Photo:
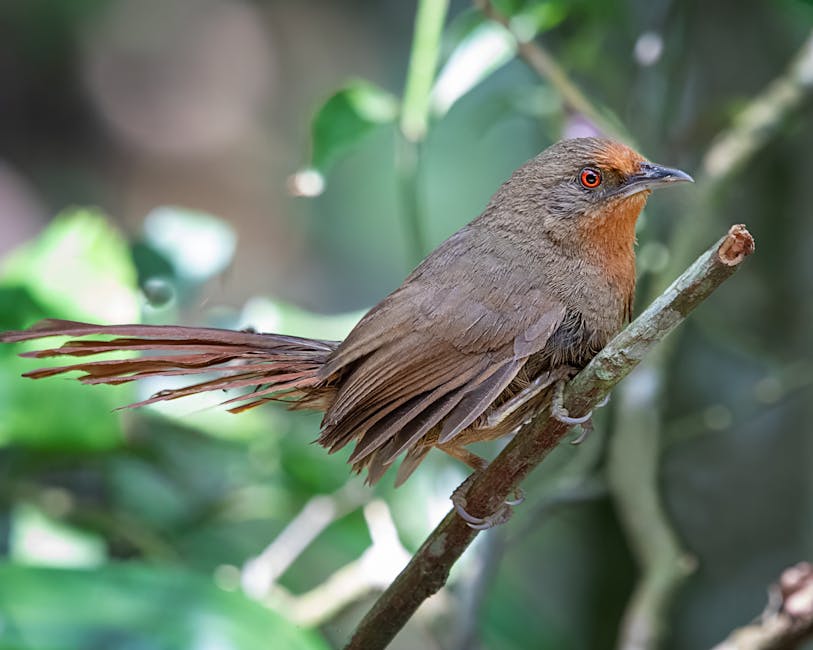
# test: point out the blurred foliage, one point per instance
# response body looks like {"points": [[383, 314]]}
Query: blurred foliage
{"points": [[183, 611], [40, 280], [346, 117], [123, 529]]}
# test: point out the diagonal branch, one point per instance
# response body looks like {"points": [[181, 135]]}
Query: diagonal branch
{"points": [[429, 568]]}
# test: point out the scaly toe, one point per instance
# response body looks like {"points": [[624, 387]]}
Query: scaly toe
{"points": [[558, 410], [502, 514], [519, 497], [566, 419], [498, 518], [587, 428], [459, 503]]}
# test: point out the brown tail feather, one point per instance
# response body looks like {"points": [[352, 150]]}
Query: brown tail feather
{"points": [[271, 364]]}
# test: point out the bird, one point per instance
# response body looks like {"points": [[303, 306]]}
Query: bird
{"points": [[477, 338]]}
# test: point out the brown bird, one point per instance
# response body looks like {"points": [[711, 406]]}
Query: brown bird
{"points": [[467, 348]]}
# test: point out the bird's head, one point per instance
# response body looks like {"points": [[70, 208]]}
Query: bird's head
{"points": [[590, 187]]}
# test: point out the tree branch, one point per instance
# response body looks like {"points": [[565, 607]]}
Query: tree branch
{"points": [[429, 568], [788, 618]]}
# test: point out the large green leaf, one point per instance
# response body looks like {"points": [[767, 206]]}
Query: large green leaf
{"points": [[482, 47], [346, 118], [78, 268], [477, 46], [129, 606]]}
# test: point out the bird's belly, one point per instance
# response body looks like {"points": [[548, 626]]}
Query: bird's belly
{"points": [[572, 344]]}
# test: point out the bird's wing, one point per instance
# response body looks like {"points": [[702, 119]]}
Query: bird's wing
{"points": [[439, 350]]}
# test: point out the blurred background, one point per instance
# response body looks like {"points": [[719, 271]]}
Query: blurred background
{"points": [[246, 163]]}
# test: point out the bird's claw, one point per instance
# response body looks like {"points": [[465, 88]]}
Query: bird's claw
{"points": [[563, 417], [497, 518], [519, 497], [587, 429], [559, 412], [604, 401], [502, 514]]}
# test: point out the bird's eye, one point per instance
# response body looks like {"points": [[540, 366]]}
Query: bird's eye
{"points": [[590, 178]]}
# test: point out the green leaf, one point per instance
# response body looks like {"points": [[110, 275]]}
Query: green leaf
{"points": [[531, 18], [135, 606], [37, 539], [346, 118], [478, 46], [197, 245], [61, 416], [484, 48], [79, 268], [18, 308]]}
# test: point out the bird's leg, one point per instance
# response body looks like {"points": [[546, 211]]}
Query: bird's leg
{"points": [[478, 464], [559, 412], [502, 412]]}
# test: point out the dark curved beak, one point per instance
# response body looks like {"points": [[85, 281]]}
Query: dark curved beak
{"points": [[650, 176]]}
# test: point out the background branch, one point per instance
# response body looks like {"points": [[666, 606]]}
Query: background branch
{"points": [[635, 450], [788, 618], [429, 568]]}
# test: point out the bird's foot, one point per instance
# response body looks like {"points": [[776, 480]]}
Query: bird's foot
{"points": [[560, 413], [519, 497], [502, 514]]}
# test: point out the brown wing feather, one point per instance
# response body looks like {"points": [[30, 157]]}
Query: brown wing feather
{"points": [[410, 421], [433, 354], [478, 399], [379, 399]]}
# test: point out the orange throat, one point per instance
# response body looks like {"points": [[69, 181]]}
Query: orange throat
{"points": [[609, 236]]}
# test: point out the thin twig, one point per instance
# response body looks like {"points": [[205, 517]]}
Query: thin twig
{"points": [[376, 567], [429, 568], [260, 573], [541, 62]]}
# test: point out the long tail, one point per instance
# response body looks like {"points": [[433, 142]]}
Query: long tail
{"points": [[265, 366]]}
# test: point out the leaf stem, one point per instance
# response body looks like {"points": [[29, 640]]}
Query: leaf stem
{"points": [[423, 62], [407, 163]]}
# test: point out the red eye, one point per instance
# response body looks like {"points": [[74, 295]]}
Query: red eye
{"points": [[590, 178]]}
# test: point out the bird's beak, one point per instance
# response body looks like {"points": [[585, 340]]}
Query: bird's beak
{"points": [[650, 176]]}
